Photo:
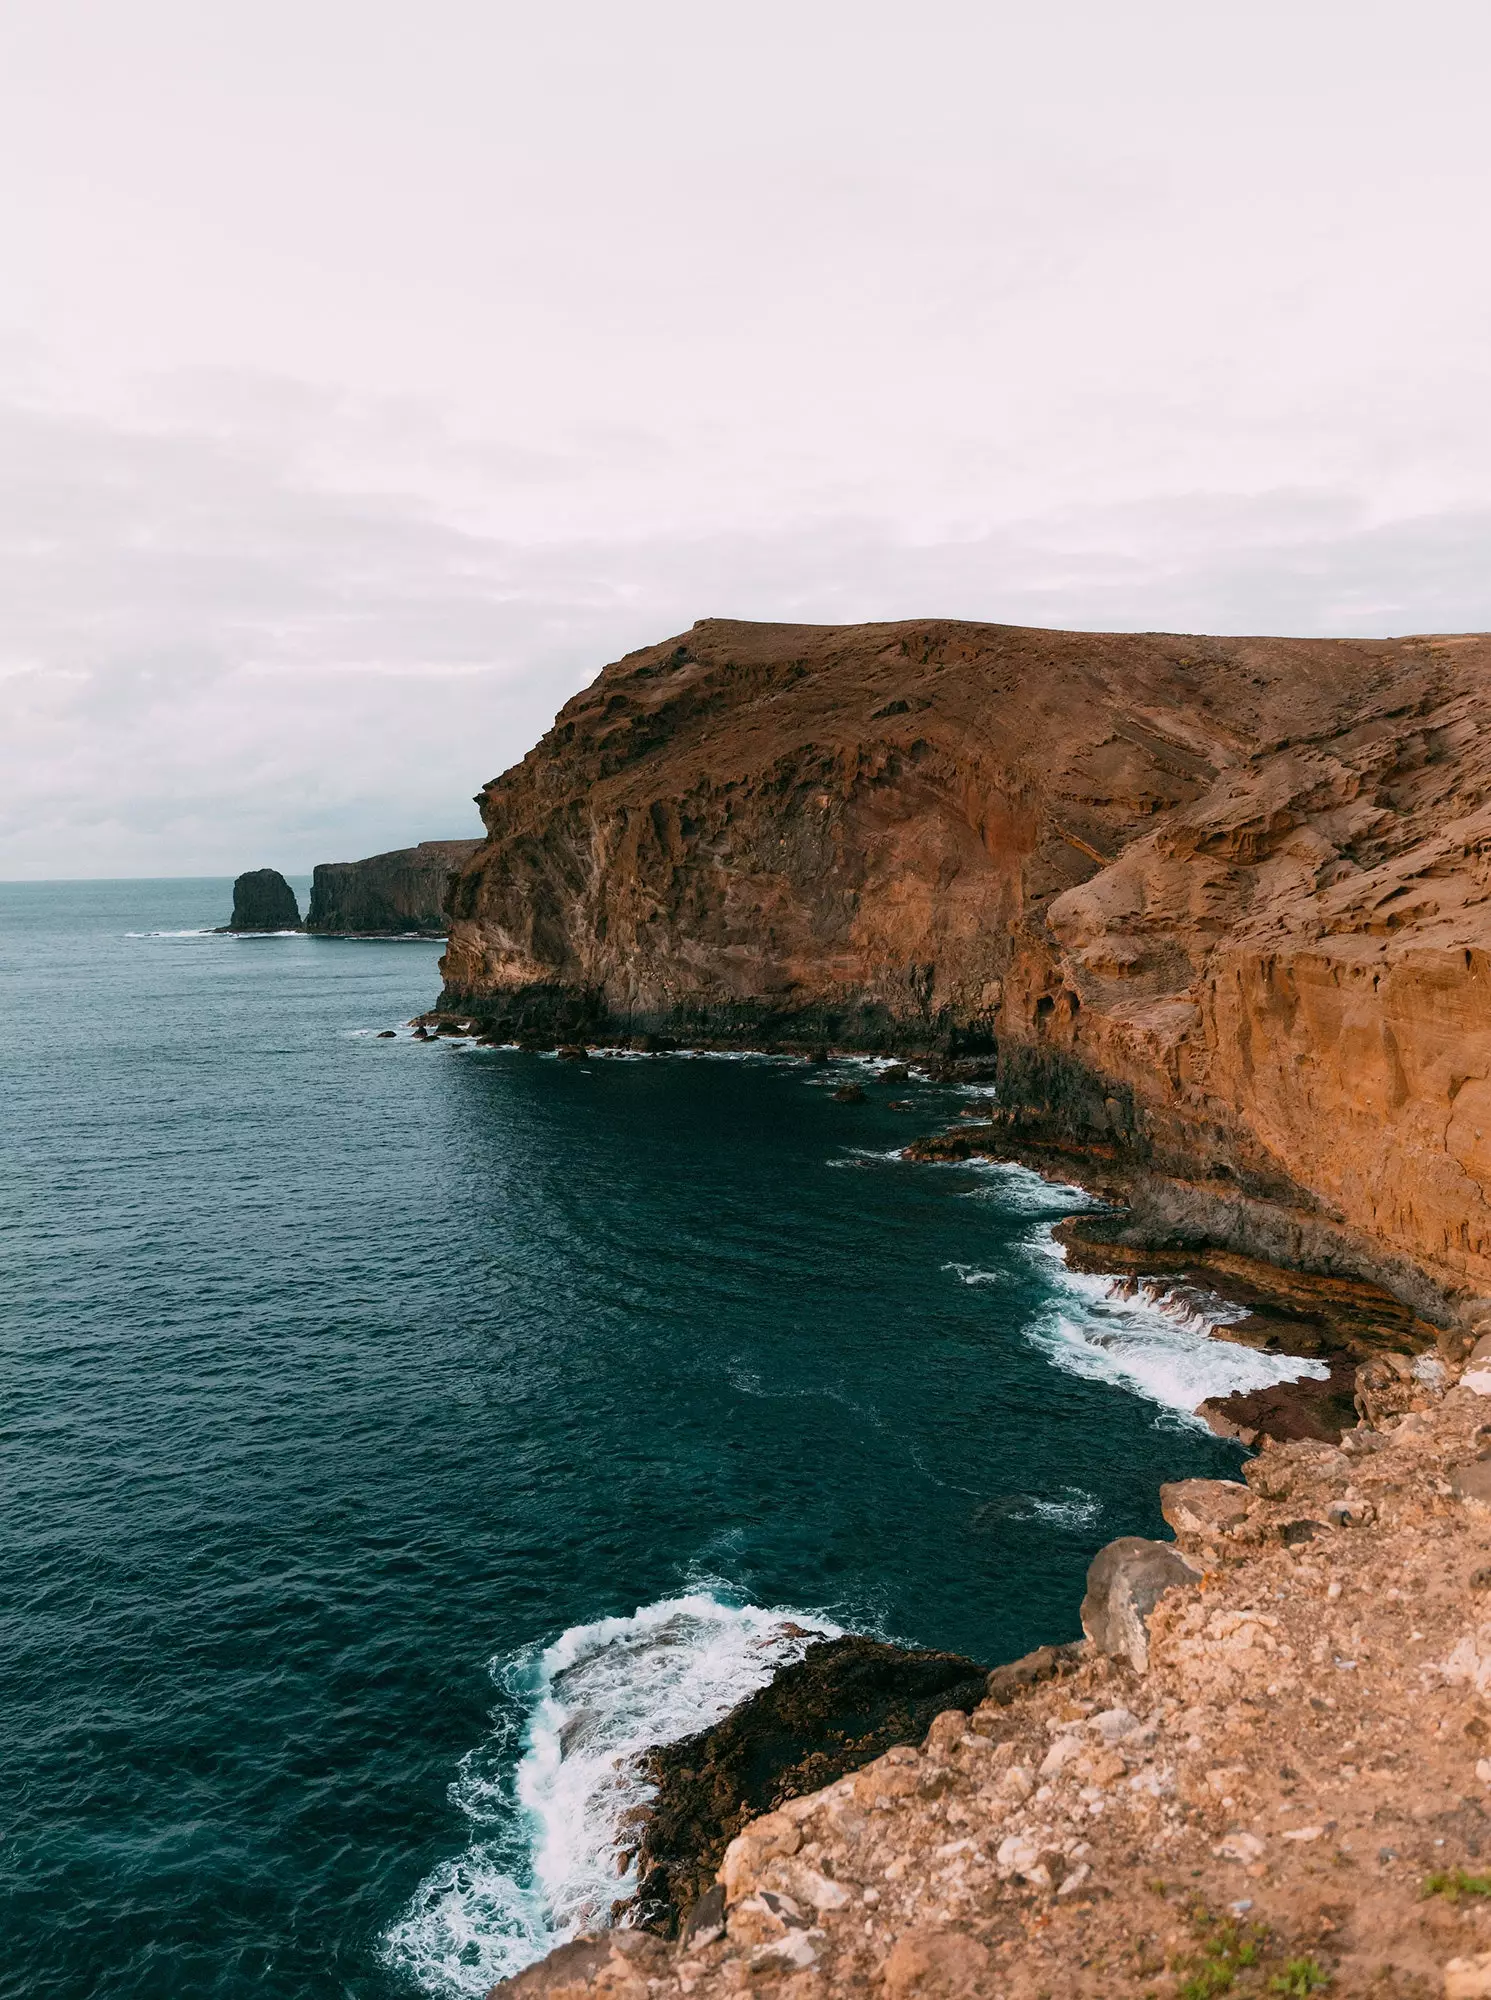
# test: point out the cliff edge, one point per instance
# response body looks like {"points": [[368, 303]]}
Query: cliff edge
{"points": [[1219, 905]]}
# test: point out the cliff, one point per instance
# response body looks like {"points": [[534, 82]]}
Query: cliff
{"points": [[1220, 905], [388, 894]]}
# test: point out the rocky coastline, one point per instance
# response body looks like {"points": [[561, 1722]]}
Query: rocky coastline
{"points": [[1213, 916], [1266, 1769]]}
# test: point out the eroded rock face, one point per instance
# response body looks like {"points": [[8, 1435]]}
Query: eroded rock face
{"points": [[264, 901], [388, 894], [1220, 902]]}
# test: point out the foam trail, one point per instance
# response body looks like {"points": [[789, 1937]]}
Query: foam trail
{"points": [[550, 1832], [1099, 1328]]}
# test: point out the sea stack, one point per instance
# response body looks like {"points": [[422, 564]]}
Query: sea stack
{"points": [[264, 901]]}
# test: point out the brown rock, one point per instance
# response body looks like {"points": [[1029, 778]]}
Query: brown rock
{"points": [[1167, 875], [1203, 1509], [1125, 1582], [937, 1965], [1473, 1481]]}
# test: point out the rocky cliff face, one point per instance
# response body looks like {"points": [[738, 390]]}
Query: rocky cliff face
{"points": [[1221, 905], [388, 894]]}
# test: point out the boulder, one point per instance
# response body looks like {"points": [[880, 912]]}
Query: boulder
{"points": [[1204, 1509], [1126, 1581], [264, 901]]}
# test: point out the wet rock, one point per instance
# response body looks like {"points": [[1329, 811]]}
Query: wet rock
{"points": [[573, 1052], [1125, 1582], [264, 901], [896, 1073], [849, 1093], [843, 1704], [1309, 1408]]}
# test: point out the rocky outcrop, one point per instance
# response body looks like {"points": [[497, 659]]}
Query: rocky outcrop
{"points": [[264, 901], [1284, 1789], [844, 1702], [388, 895], [1220, 904]]}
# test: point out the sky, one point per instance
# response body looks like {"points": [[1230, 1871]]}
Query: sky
{"points": [[371, 375]]}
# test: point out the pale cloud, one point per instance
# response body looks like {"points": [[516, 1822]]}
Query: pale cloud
{"points": [[368, 379]]}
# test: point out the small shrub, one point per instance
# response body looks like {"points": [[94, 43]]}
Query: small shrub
{"points": [[1453, 1883], [1301, 1976]]}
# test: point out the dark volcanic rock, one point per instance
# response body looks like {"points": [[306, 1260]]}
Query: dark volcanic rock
{"points": [[264, 901], [388, 894], [842, 1704]]}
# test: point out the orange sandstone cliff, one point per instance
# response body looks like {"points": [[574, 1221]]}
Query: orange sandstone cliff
{"points": [[1217, 906]]}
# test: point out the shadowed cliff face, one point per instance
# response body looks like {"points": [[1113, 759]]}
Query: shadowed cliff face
{"points": [[1220, 903], [392, 893]]}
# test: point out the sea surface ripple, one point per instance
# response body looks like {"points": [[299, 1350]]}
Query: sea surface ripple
{"points": [[383, 1423]]}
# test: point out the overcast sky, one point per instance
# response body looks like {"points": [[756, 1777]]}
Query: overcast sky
{"points": [[370, 374]]}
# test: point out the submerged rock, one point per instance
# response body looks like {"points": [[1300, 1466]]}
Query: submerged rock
{"points": [[264, 901], [841, 1705]]}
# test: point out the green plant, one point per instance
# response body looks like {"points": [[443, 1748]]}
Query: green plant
{"points": [[1301, 1976], [1453, 1883]]}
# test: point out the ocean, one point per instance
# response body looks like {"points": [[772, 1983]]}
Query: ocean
{"points": [[398, 1436]]}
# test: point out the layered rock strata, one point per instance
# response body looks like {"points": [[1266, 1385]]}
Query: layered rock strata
{"points": [[264, 901], [1266, 1771], [390, 894], [1221, 905]]}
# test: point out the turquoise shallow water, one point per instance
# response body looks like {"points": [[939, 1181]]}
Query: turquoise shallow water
{"points": [[342, 1376]]}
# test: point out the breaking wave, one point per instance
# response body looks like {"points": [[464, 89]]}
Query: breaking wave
{"points": [[1153, 1341], [553, 1797]]}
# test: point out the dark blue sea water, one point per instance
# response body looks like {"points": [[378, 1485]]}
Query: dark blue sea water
{"points": [[351, 1386]]}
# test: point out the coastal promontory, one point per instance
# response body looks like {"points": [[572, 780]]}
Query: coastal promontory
{"points": [[393, 894], [1218, 907]]}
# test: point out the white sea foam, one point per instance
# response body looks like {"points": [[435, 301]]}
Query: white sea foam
{"points": [[1075, 1509], [969, 1274], [864, 1156], [1097, 1327], [1022, 1191], [550, 1833], [208, 932]]}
